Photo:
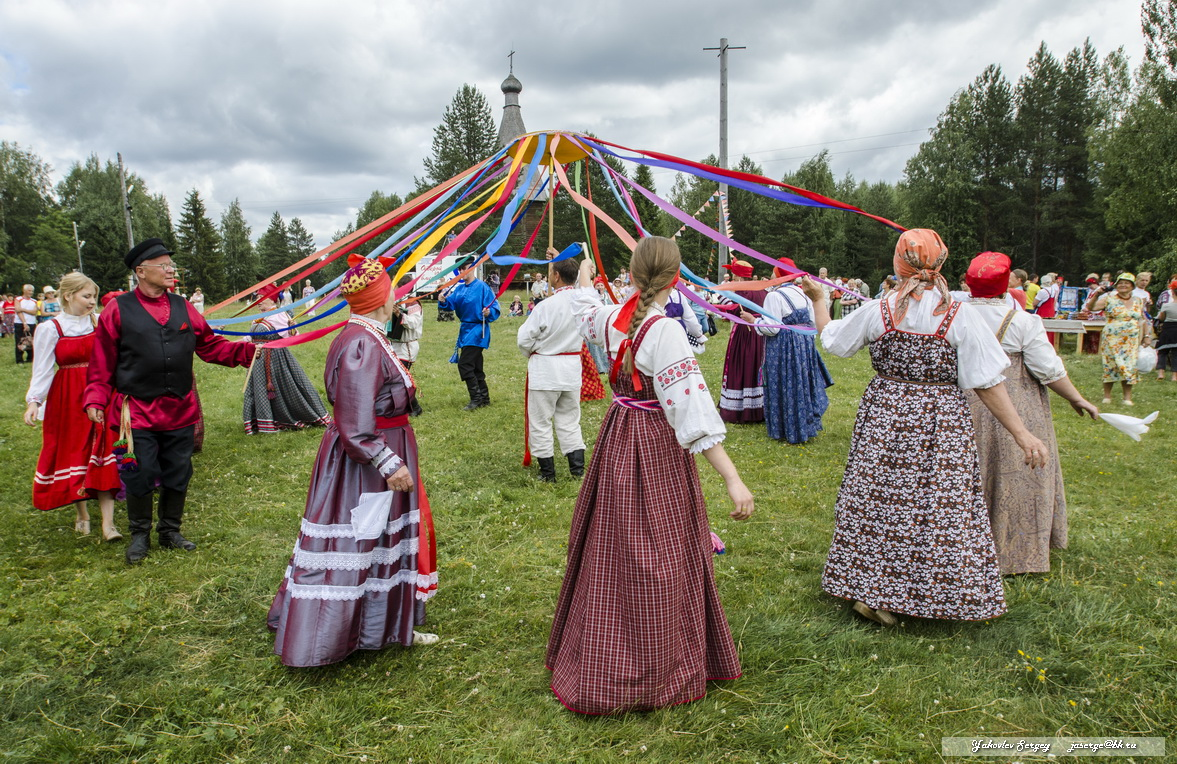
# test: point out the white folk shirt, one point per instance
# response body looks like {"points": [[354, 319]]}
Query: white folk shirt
{"points": [[547, 334], [1045, 293], [412, 325], [1025, 335], [665, 356], [780, 302], [980, 360]]}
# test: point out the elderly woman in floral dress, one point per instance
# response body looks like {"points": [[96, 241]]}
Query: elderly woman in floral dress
{"points": [[1119, 343]]}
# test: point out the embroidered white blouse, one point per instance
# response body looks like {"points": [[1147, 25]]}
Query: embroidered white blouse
{"points": [[980, 360], [665, 355]]}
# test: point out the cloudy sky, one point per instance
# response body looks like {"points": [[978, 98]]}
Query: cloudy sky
{"points": [[306, 107]]}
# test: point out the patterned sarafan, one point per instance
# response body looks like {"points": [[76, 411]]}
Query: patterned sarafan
{"points": [[911, 530]]}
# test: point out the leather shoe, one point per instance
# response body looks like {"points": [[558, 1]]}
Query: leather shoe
{"points": [[173, 540], [137, 549], [547, 469]]}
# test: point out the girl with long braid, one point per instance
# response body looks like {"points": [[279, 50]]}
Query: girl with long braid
{"points": [[639, 624]]}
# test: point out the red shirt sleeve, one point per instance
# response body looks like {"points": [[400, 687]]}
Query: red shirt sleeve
{"points": [[213, 348], [103, 358]]}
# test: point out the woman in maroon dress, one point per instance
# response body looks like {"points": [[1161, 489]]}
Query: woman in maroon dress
{"points": [[76, 461], [365, 560], [741, 397], [639, 624]]}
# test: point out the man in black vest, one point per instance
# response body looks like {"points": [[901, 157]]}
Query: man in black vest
{"points": [[141, 369]]}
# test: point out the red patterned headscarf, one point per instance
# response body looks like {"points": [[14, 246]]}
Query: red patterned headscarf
{"points": [[919, 255], [988, 275], [366, 284]]}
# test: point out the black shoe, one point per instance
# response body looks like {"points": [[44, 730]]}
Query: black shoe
{"points": [[576, 463], [475, 403], [173, 540], [547, 469], [414, 407], [137, 549]]}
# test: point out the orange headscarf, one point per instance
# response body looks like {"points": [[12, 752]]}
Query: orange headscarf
{"points": [[366, 284], [919, 254]]}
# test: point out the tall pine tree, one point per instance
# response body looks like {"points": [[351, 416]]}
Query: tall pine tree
{"points": [[241, 263], [466, 136], [273, 248], [198, 249]]}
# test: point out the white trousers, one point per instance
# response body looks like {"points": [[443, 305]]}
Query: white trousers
{"points": [[544, 406]]}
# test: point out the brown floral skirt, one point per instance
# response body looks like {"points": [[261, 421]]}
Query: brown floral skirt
{"points": [[1027, 508], [911, 531]]}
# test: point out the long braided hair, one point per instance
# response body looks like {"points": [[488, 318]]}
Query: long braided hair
{"points": [[654, 264]]}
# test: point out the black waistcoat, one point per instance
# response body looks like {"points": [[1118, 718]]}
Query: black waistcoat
{"points": [[154, 360]]}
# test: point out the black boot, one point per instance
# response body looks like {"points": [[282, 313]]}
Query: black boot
{"points": [[475, 395], [576, 462], [171, 512], [547, 469], [414, 407], [139, 521], [483, 392]]}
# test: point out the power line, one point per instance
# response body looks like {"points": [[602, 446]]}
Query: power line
{"points": [[841, 140]]}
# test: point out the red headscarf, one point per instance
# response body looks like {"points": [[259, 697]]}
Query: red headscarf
{"points": [[366, 284], [988, 275], [919, 255], [792, 273], [741, 268]]}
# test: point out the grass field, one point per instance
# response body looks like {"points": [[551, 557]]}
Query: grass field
{"points": [[170, 661]]}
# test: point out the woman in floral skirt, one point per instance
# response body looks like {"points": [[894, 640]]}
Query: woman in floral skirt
{"points": [[911, 528]]}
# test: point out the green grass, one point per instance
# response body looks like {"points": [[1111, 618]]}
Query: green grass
{"points": [[171, 661]]}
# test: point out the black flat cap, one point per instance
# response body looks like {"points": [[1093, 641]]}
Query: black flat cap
{"points": [[148, 249]]}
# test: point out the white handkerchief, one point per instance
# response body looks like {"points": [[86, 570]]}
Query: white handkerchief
{"points": [[1129, 425], [369, 518]]}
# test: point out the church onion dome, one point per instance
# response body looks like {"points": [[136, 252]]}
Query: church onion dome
{"points": [[512, 84]]}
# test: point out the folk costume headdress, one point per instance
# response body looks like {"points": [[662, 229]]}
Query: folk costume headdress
{"points": [[788, 275], [919, 255], [988, 275], [366, 284], [741, 268]]}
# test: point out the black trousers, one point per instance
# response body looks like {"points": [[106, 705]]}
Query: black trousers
{"points": [[164, 455], [470, 367], [20, 331]]}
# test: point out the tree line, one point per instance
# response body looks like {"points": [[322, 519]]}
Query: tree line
{"points": [[1070, 169]]}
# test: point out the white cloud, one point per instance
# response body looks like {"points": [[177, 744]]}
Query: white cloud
{"points": [[306, 107]]}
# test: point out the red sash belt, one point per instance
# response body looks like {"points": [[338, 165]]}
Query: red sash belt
{"points": [[427, 547]]}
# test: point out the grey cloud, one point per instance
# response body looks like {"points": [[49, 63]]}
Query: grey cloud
{"points": [[307, 107]]}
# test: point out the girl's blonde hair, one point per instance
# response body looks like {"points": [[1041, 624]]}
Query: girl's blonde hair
{"points": [[71, 284], [654, 264]]}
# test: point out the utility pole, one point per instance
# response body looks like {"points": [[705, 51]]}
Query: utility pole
{"points": [[126, 203], [78, 244], [723, 49]]}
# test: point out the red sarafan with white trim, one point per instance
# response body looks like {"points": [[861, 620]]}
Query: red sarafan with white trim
{"points": [[639, 624], [76, 460]]}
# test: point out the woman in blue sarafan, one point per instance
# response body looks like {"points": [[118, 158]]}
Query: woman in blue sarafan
{"points": [[795, 378]]}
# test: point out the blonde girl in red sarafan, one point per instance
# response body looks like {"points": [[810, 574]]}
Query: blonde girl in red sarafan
{"points": [[638, 623], [76, 461]]}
